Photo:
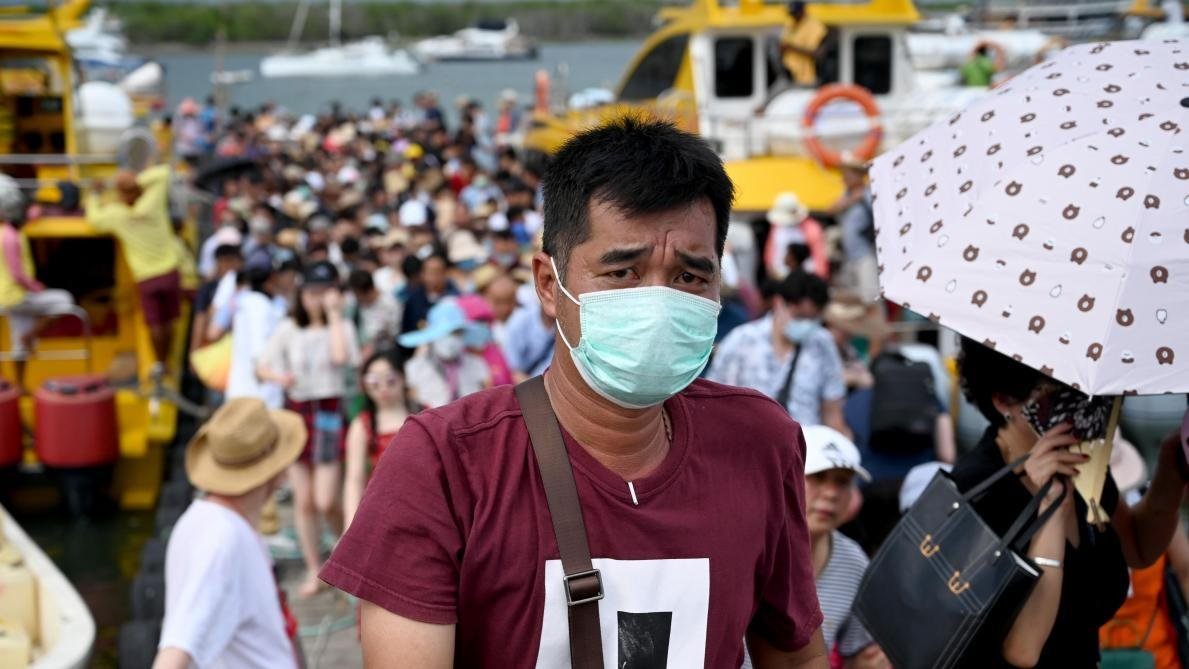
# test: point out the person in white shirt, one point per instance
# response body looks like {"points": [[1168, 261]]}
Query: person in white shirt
{"points": [[256, 317], [222, 606]]}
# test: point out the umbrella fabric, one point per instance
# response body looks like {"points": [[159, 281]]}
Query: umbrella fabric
{"points": [[1050, 220]]}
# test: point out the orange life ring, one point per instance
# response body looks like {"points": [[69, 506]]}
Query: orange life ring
{"points": [[541, 92], [1000, 53], [827, 94]]}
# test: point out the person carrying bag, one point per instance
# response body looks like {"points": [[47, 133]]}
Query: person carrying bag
{"points": [[943, 563]]}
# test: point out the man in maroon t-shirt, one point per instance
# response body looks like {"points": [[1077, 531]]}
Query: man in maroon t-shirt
{"points": [[692, 492]]}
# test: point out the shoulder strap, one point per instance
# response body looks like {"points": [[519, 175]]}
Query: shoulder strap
{"points": [[782, 396], [582, 582]]}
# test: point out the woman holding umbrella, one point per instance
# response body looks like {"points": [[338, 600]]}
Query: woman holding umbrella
{"points": [[1084, 577]]}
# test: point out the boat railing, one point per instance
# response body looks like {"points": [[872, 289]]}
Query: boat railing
{"points": [[73, 311]]}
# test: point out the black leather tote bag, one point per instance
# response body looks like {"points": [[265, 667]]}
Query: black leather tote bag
{"points": [[944, 579]]}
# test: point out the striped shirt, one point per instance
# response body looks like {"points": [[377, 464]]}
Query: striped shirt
{"points": [[837, 586]]}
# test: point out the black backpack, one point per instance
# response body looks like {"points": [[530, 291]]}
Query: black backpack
{"points": [[904, 405]]}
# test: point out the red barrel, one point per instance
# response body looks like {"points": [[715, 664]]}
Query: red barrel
{"points": [[76, 422], [10, 424]]}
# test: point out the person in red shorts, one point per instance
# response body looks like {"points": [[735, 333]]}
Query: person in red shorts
{"points": [[138, 217], [692, 492]]}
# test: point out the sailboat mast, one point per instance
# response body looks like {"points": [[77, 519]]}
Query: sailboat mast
{"points": [[336, 22], [299, 23]]}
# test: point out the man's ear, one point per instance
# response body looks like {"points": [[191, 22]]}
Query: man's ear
{"points": [[545, 283]]}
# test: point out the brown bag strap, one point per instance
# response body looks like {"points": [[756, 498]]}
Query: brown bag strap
{"points": [[582, 583]]}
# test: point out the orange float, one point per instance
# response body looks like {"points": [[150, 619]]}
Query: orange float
{"points": [[827, 94]]}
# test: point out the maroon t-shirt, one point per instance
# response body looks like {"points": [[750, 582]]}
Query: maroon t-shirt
{"points": [[454, 528]]}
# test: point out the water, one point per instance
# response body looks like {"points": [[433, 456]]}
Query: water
{"points": [[590, 64]]}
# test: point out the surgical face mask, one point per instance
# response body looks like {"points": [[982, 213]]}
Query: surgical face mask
{"points": [[641, 346], [448, 348], [798, 330]]}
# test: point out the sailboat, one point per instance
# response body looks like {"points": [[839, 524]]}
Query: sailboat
{"points": [[369, 57]]}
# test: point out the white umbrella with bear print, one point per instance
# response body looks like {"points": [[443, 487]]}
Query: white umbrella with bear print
{"points": [[1050, 221]]}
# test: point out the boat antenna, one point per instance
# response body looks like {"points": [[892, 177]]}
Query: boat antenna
{"points": [[336, 22]]}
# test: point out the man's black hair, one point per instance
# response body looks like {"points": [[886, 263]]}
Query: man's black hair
{"points": [[360, 280], [411, 266], [350, 246], [639, 166], [799, 251], [800, 285], [983, 372], [227, 251], [257, 277]]}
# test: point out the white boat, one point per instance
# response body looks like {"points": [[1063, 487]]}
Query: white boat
{"points": [[486, 40], [369, 57], [63, 629], [1014, 49]]}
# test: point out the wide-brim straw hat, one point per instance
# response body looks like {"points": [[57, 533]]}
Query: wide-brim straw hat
{"points": [[243, 446]]}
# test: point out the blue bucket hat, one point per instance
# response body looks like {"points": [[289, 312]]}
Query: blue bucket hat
{"points": [[445, 318]]}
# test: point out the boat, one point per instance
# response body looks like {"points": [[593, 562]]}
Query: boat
{"points": [[1072, 19], [369, 57], [56, 630], [232, 77], [1013, 50], [712, 68], [489, 40], [68, 133]]}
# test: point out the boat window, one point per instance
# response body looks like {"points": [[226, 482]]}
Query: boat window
{"points": [[734, 67], [657, 71], [873, 63]]}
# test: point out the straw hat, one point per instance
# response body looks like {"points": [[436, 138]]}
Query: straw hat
{"points": [[243, 446], [850, 314]]}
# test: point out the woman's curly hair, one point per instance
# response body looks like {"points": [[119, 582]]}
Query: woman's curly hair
{"points": [[983, 372]]}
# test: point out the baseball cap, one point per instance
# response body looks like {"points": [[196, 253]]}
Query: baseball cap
{"points": [[321, 273], [827, 448]]}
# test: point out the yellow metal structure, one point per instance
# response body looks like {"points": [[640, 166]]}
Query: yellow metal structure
{"points": [[757, 180], [120, 347]]}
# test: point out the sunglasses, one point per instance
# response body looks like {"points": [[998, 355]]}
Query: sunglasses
{"points": [[380, 381]]}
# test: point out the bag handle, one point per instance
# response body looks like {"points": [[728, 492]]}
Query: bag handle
{"points": [[1028, 523], [976, 493], [583, 584]]}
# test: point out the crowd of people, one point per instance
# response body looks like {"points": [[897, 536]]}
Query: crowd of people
{"points": [[372, 274]]}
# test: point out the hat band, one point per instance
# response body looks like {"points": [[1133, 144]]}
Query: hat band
{"points": [[239, 463]]}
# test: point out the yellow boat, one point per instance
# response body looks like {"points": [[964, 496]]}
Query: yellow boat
{"points": [[715, 69], [46, 141]]}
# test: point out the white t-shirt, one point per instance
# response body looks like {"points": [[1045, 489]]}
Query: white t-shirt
{"points": [[256, 317], [221, 603]]}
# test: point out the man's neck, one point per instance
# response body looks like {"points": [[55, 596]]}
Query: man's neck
{"points": [[248, 506], [630, 442]]}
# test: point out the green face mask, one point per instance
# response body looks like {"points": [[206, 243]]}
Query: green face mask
{"points": [[641, 346]]}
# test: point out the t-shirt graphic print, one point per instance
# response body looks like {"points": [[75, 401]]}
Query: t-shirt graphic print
{"points": [[652, 616]]}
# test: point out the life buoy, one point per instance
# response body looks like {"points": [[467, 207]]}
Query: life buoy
{"points": [[1000, 53], [541, 92], [827, 94]]}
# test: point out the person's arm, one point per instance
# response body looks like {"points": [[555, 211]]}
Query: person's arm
{"points": [[1178, 556], [870, 657], [765, 656], [10, 239], [154, 183], [1146, 529], [396, 642], [103, 217], [172, 658], [356, 469], [943, 435], [1050, 459], [832, 416], [271, 367]]}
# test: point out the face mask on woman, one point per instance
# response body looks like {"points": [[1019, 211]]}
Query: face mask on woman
{"points": [[641, 346], [448, 348]]}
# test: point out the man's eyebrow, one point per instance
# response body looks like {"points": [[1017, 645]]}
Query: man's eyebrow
{"points": [[699, 263], [620, 256]]}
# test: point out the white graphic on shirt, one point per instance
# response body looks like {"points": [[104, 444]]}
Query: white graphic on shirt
{"points": [[653, 614]]}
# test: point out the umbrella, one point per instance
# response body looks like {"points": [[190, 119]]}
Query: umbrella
{"points": [[1050, 220]]}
